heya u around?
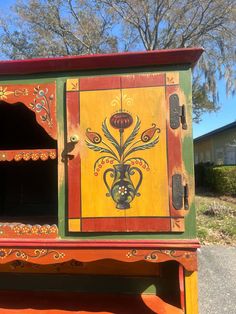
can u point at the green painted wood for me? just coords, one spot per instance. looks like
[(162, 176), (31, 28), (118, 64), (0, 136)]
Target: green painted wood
[(80, 283), (61, 135), (187, 149)]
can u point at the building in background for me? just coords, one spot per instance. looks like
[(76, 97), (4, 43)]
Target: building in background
[(217, 147)]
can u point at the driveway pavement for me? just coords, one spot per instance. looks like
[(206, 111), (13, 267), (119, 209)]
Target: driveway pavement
[(217, 280)]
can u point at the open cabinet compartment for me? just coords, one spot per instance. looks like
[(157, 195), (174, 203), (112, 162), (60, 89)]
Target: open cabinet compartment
[(28, 168), (148, 289)]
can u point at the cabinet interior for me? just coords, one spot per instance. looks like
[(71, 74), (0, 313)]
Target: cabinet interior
[(28, 188), (161, 281)]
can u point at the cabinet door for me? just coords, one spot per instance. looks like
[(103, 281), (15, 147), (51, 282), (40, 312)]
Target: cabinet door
[(125, 170)]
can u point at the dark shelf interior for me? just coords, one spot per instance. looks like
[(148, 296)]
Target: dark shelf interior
[(28, 189)]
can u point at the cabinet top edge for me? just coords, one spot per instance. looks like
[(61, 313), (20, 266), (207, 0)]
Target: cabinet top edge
[(102, 61), (119, 244)]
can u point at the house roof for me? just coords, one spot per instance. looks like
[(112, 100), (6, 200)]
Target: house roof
[(217, 131), (102, 61)]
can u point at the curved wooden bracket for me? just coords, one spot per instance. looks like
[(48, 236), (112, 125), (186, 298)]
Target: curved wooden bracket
[(40, 98)]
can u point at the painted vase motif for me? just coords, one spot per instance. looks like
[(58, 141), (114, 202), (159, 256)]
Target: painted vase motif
[(122, 189), (119, 152)]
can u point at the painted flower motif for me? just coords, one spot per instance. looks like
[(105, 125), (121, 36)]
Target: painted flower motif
[(41, 93), (122, 190), (35, 156), (4, 93), (35, 229), (118, 150), (17, 229), (38, 107), (26, 156), (121, 120), (45, 229), (53, 229), (3, 253), (43, 156), (18, 157), (52, 155), (26, 229), (94, 137), (3, 156), (148, 134)]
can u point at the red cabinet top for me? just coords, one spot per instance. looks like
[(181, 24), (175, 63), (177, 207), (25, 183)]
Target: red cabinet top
[(102, 61)]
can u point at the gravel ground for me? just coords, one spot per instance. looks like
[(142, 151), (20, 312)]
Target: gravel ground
[(217, 280)]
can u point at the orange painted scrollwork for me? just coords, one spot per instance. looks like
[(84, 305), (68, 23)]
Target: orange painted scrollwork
[(40, 98)]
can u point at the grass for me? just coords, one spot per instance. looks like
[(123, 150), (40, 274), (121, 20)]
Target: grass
[(216, 219)]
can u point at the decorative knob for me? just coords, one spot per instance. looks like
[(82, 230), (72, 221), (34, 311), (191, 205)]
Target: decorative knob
[(74, 138)]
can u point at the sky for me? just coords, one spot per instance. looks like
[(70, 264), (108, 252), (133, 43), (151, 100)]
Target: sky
[(210, 121)]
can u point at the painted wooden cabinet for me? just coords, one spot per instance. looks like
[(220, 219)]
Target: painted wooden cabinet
[(96, 170)]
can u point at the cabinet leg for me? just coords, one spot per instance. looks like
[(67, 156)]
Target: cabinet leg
[(191, 292)]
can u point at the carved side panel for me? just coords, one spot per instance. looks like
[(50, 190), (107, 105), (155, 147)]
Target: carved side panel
[(40, 98)]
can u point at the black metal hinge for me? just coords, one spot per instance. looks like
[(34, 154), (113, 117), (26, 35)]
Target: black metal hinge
[(180, 193), (177, 113)]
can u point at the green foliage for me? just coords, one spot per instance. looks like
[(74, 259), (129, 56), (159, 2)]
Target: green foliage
[(202, 100), (220, 179)]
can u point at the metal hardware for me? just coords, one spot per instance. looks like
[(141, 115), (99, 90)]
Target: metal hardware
[(177, 113), (186, 194), (74, 138), (179, 193)]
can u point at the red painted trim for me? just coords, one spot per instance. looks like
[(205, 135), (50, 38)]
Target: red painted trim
[(106, 61), (74, 163), (27, 231), (174, 149), (181, 244), (181, 287), (142, 80), (126, 224), (117, 82), (99, 83)]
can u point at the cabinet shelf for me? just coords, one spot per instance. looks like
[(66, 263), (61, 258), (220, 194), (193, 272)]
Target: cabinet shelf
[(62, 302), (28, 154)]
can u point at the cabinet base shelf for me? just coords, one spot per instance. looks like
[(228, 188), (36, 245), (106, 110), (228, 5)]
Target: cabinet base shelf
[(63, 303)]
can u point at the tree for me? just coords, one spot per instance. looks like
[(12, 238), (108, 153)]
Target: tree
[(47, 28), (162, 24), (57, 27)]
